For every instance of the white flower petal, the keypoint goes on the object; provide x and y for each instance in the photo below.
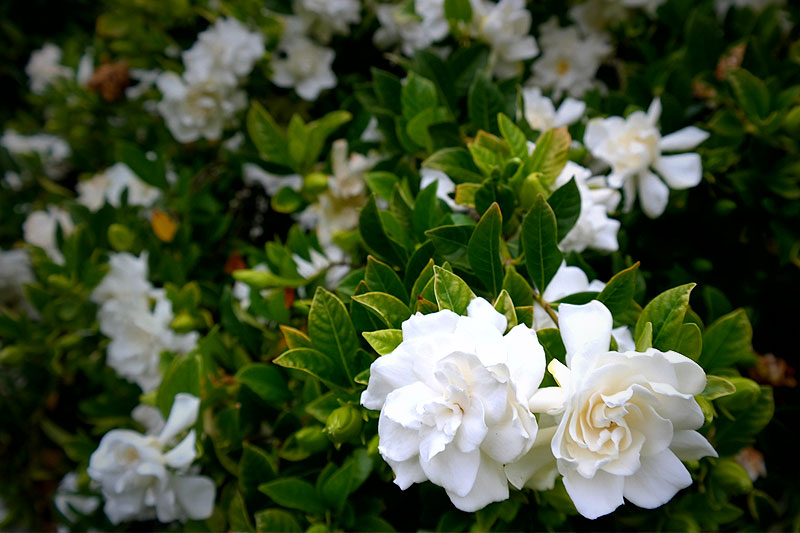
(483, 311)
(195, 494)
(660, 477)
(420, 325)
(525, 360)
(453, 469)
(549, 400)
(683, 139)
(690, 445)
(181, 417)
(570, 111)
(585, 329)
(536, 469)
(406, 473)
(680, 171)
(182, 455)
(653, 194)
(597, 496)
(491, 486)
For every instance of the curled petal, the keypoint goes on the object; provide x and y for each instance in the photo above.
(660, 477)
(181, 417)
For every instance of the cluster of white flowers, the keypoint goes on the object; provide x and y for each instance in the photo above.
(569, 60)
(409, 29)
(53, 151)
(632, 146)
(201, 102)
(40, 228)
(140, 480)
(300, 63)
(458, 397)
(505, 26)
(44, 68)
(541, 113)
(109, 185)
(136, 317)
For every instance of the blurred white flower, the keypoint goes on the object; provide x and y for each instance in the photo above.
(53, 151)
(15, 272)
(593, 229)
(722, 6)
(145, 79)
(140, 480)
(412, 31)
(328, 17)
(505, 26)
(333, 261)
(633, 145)
(649, 6)
(126, 279)
(596, 16)
(71, 502)
(44, 68)
(568, 62)
(224, 53)
(301, 64)
(567, 281)
(39, 229)
(444, 186)
(109, 186)
(627, 419)
(272, 183)
(453, 398)
(542, 115)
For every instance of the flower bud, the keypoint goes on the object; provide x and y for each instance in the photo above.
(730, 475)
(344, 424)
(706, 407)
(257, 279)
(59, 281)
(183, 323)
(120, 237)
(315, 183)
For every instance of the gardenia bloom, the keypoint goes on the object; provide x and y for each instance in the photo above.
(633, 145)
(225, 53)
(109, 185)
(453, 398)
(15, 272)
(71, 502)
(593, 229)
(628, 419)
(649, 6)
(333, 261)
(568, 62)
(53, 151)
(541, 114)
(596, 16)
(198, 109)
(506, 27)
(301, 64)
(328, 17)
(39, 229)
(568, 280)
(140, 480)
(722, 6)
(44, 68)
(412, 31)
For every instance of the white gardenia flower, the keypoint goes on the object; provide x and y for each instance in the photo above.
(15, 272)
(541, 113)
(593, 229)
(568, 280)
(225, 53)
(453, 399)
(71, 502)
(53, 151)
(628, 419)
(200, 109)
(333, 261)
(722, 6)
(596, 16)
(301, 64)
(329, 17)
(39, 229)
(444, 187)
(272, 183)
(506, 26)
(109, 185)
(649, 6)
(633, 146)
(568, 62)
(44, 68)
(411, 31)
(126, 279)
(140, 480)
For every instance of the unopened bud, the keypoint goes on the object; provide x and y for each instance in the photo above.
(120, 237)
(344, 424)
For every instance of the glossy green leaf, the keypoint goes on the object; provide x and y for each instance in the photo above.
(483, 250)
(376, 237)
(717, 387)
(385, 340)
(727, 342)
(276, 520)
(644, 338)
(566, 204)
(332, 332)
(266, 381)
(517, 287)
(382, 278)
(617, 295)
(457, 163)
(540, 244)
(267, 136)
(316, 363)
(505, 306)
(417, 95)
(665, 313)
(389, 309)
(514, 136)
(294, 493)
(183, 375)
(451, 291)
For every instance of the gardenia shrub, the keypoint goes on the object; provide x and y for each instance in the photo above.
(452, 265)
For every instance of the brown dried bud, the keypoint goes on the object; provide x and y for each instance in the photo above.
(110, 80)
(730, 61)
(773, 371)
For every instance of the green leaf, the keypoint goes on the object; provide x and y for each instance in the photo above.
(298, 137)
(457, 163)
(717, 387)
(525, 314)
(295, 338)
(553, 344)
(332, 332)
(151, 172)
(319, 131)
(727, 342)
(387, 88)
(644, 339)
(422, 280)
(266, 381)
(517, 287)
(417, 95)
(255, 467)
(259, 280)
(316, 363)
(294, 493)
(238, 517)
(183, 375)
(451, 291)
(346, 479)
(417, 127)
(566, 204)
(458, 10)
(483, 250)
(267, 136)
(382, 278)
(384, 341)
(389, 309)
(486, 159)
(426, 212)
(514, 136)
(751, 93)
(276, 520)
(505, 306)
(733, 435)
(375, 235)
(418, 262)
(690, 341)
(381, 183)
(465, 193)
(665, 312)
(540, 243)
(484, 103)
(451, 242)
(617, 295)
(550, 155)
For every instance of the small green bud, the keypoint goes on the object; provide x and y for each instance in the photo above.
(730, 475)
(318, 528)
(791, 122)
(311, 439)
(183, 323)
(120, 237)
(747, 393)
(315, 183)
(59, 281)
(255, 278)
(69, 340)
(725, 207)
(344, 424)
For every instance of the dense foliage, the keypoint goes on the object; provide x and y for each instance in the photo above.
(234, 230)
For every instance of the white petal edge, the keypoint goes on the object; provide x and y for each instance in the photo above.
(660, 477)
(585, 329)
(683, 139)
